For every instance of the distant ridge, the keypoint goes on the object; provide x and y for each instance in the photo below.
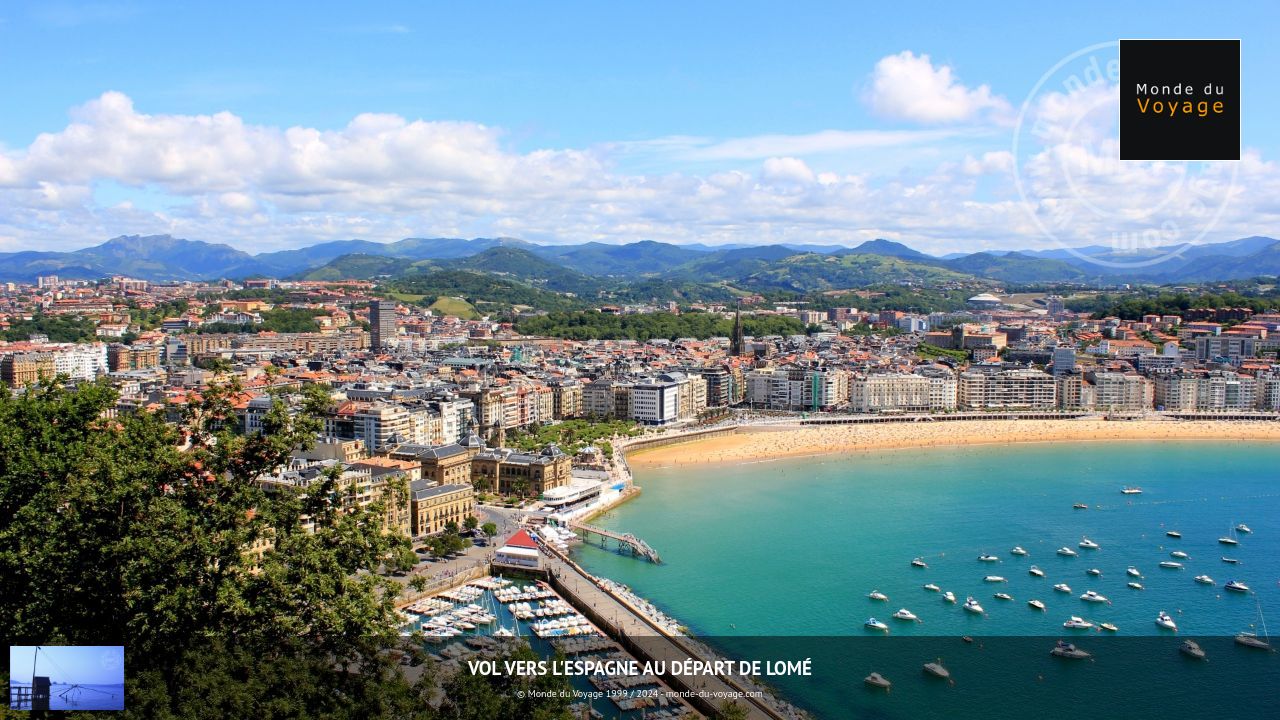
(796, 267)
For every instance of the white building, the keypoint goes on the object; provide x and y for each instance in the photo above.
(656, 401)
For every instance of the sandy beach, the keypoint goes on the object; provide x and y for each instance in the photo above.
(754, 444)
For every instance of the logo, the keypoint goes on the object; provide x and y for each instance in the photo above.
(1116, 213)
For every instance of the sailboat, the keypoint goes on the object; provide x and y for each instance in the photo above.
(1250, 639)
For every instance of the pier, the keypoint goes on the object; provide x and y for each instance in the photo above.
(638, 547)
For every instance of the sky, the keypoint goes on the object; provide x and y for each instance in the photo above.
(75, 664)
(275, 125)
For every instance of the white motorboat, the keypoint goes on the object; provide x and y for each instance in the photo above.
(919, 562)
(1243, 528)
(1080, 506)
(1173, 534)
(1135, 586)
(931, 587)
(937, 670)
(1192, 649)
(1133, 572)
(949, 596)
(1236, 586)
(988, 558)
(1065, 649)
(877, 680)
(905, 614)
(1088, 544)
(1179, 554)
(972, 606)
(1171, 565)
(1036, 604)
(1036, 571)
(1134, 490)
(1230, 561)
(1095, 572)
(874, 624)
(1003, 596)
(1018, 550)
(994, 579)
(1166, 622)
(1077, 623)
(1204, 580)
(877, 595)
(1228, 541)
(1062, 588)
(1109, 627)
(1067, 552)
(1091, 596)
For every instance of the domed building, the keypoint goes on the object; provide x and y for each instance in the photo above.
(985, 301)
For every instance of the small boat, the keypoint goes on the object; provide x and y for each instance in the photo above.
(937, 670)
(1251, 640)
(949, 596)
(1062, 588)
(1236, 586)
(905, 614)
(932, 588)
(1166, 622)
(1094, 572)
(1173, 534)
(1243, 528)
(1135, 586)
(919, 562)
(1080, 506)
(877, 595)
(1036, 571)
(1133, 572)
(966, 639)
(1230, 561)
(1036, 604)
(1077, 623)
(877, 680)
(988, 558)
(1127, 490)
(1066, 552)
(1088, 544)
(1204, 579)
(1003, 596)
(1171, 565)
(1179, 554)
(1191, 649)
(1066, 650)
(994, 579)
(1091, 596)
(1018, 550)
(971, 605)
(875, 624)
(1109, 627)
(1228, 541)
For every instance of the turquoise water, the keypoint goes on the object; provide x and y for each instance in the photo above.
(791, 548)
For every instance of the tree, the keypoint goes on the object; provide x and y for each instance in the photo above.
(732, 710)
(470, 523)
(451, 527)
(404, 559)
(418, 583)
(489, 529)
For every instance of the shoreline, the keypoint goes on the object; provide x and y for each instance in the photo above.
(756, 444)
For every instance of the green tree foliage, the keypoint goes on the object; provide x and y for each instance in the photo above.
(1133, 307)
(129, 531)
(59, 328)
(571, 435)
(648, 326)
(151, 318)
(283, 320)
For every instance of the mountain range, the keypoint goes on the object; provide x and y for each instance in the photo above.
(598, 266)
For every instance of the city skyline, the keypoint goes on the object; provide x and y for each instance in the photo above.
(427, 124)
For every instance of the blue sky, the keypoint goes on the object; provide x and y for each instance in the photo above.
(75, 664)
(571, 121)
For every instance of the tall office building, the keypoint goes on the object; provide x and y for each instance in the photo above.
(382, 323)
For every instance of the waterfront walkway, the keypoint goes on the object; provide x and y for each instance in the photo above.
(640, 636)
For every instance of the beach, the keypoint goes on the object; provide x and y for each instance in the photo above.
(767, 442)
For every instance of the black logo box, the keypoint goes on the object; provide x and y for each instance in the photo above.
(1157, 80)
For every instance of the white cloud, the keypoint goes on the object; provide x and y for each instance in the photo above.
(907, 86)
(383, 177)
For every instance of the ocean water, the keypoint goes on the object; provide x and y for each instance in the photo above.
(776, 558)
